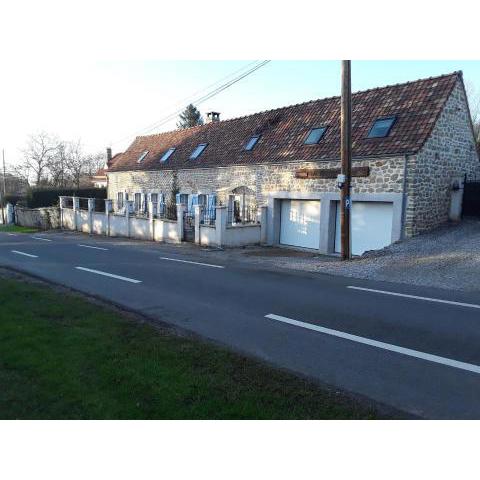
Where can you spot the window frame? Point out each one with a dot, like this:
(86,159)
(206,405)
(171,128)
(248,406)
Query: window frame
(393,119)
(142,157)
(193,156)
(252,137)
(309,144)
(167,154)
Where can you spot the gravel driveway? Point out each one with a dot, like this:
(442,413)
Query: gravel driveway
(448,257)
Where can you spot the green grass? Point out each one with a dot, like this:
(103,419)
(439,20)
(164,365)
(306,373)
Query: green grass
(17,228)
(64,357)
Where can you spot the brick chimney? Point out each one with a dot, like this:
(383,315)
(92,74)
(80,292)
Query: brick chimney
(109,157)
(213,117)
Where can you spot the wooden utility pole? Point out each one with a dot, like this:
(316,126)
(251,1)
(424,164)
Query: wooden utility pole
(346,158)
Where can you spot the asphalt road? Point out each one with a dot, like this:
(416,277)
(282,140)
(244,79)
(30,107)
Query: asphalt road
(375,339)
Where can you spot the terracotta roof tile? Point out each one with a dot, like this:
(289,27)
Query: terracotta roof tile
(416,106)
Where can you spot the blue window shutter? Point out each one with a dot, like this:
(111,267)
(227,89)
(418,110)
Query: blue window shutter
(211,203)
(177,198)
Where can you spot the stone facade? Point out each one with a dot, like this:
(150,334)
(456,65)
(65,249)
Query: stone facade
(448,154)
(386,175)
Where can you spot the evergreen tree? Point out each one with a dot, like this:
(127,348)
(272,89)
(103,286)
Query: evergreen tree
(190,117)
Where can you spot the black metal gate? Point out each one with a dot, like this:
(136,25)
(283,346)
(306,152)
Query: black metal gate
(471,199)
(189,226)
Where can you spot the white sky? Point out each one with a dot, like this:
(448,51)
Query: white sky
(88,69)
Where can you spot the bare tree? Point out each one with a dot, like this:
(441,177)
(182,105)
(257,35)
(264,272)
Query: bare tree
(474,103)
(57,166)
(75,162)
(37,156)
(93,162)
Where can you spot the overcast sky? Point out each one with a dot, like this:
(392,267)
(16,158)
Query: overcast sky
(108,103)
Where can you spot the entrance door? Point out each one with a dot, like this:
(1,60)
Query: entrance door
(300,223)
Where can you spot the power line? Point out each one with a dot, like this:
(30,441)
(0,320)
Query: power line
(203,98)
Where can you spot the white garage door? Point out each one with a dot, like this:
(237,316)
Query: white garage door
(300,223)
(371,226)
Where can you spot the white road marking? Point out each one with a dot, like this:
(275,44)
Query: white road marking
(44,239)
(23,253)
(437,300)
(194,263)
(90,246)
(111,275)
(12,234)
(374,343)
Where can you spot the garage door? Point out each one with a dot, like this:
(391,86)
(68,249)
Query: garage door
(371,226)
(300,223)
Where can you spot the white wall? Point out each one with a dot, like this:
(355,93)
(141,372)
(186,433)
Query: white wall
(166,231)
(240,235)
(208,235)
(99,223)
(118,226)
(140,228)
(82,221)
(68,218)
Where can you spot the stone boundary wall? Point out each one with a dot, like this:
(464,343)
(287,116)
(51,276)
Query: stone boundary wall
(43,218)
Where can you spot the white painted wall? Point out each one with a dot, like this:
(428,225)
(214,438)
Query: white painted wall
(166,231)
(82,221)
(140,228)
(241,235)
(208,235)
(118,226)
(99,223)
(68,218)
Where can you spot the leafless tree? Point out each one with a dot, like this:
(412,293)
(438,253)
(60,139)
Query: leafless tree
(57,166)
(75,162)
(37,156)
(474,102)
(93,162)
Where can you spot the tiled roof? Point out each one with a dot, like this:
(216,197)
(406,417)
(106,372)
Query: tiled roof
(416,106)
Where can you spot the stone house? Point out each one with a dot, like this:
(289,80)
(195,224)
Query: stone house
(412,144)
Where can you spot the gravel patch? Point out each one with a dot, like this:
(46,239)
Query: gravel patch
(448,257)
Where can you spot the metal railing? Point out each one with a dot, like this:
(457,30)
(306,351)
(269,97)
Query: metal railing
(208,216)
(248,214)
(167,211)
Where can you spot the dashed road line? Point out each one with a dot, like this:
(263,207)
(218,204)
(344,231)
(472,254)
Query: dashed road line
(90,246)
(111,275)
(24,253)
(44,239)
(193,263)
(416,297)
(469,367)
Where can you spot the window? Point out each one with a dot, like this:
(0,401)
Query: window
(138,201)
(167,155)
(315,135)
(120,200)
(252,142)
(381,127)
(142,156)
(198,151)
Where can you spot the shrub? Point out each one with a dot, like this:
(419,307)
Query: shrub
(48,197)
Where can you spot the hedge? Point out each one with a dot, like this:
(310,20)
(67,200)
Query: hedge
(49,197)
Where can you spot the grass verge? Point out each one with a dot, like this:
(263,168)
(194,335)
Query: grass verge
(62,356)
(17,229)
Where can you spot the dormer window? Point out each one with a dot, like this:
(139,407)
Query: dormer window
(315,135)
(252,142)
(142,156)
(381,127)
(167,155)
(198,151)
